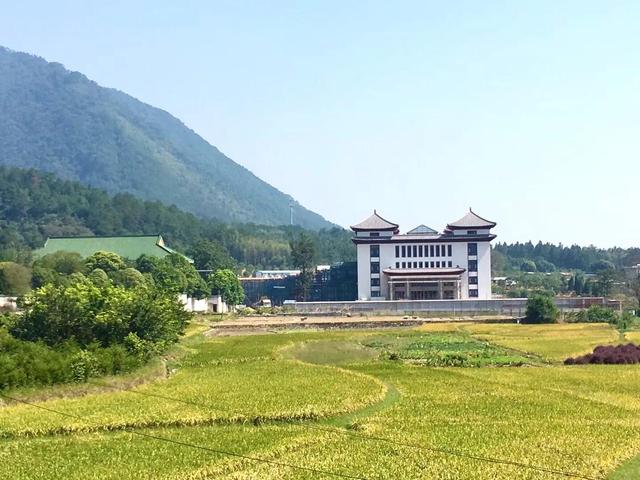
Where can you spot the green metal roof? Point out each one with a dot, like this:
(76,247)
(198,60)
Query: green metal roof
(128,246)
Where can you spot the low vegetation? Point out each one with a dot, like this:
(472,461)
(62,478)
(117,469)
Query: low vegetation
(609,354)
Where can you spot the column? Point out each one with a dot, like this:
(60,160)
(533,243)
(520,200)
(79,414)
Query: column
(407,292)
(440,290)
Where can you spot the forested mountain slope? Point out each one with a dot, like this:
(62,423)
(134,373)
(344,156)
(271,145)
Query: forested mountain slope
(35,205)
(59,121)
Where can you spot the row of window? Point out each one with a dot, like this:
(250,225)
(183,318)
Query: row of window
(438,264)
(416,251)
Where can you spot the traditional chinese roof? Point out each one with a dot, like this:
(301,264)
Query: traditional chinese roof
(127,246)
(375,222)
(422,230)
(471,220)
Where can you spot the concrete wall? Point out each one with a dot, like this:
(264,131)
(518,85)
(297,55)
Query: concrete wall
(510,306)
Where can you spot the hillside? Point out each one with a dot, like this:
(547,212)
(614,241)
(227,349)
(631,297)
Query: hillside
(60,121)
(36,205)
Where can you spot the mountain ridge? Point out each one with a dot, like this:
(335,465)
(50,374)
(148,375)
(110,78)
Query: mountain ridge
(60,121)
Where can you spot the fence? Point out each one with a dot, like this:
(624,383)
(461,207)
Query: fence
(504,306)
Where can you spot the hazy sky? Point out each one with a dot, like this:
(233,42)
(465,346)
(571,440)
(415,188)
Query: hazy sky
(527,111)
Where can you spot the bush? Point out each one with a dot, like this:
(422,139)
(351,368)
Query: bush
(541,309)
(87,314)
(610,355)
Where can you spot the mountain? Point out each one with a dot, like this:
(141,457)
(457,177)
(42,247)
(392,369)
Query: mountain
(60,121)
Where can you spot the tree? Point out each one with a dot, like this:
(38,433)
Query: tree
(107,261)
(226,284)
(61,262)
(208,255)
(541,309)
(528,266)
(605,281)
(195,285)
(15,279)
(601,266)
(303,256)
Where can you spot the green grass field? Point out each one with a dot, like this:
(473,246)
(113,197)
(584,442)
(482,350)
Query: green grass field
(445,401)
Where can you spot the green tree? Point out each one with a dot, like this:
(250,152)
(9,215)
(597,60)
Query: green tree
(226,284)
(99,278)
(605,281)
(209,255)
(541,309)
(303,254)
(528,266)
(602,266)
(107,261)
(195,285)
(15,279)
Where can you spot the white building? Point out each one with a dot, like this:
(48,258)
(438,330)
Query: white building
(423,264)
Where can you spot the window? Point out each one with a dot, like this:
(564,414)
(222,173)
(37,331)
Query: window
(374,250)
(473,265)
(472,248)
(431,250)
(437,250)
(450,264)
(437,264)
(415,250)
(415,264)
(473,293)
(420,264)
(374,234)
(397,251)
(473,280)
(404,251)
(420,251)
(472,232)
(375,282)
(375,293)
(375,267)
(404,264)
(409,251)
(432,264)
(449,251)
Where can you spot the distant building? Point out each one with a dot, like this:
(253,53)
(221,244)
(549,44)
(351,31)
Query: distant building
(423,264)
(276,273)
(127,246)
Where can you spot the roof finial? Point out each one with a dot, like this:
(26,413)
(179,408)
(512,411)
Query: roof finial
(375,212)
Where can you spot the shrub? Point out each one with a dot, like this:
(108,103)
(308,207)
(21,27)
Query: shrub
(610,355)
(541,309)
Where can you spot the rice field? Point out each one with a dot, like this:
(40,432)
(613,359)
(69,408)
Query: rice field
(310,405)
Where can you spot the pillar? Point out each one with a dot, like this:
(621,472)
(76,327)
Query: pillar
(440,290)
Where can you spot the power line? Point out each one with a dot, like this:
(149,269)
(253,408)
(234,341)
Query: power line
(445,451)
(196,446)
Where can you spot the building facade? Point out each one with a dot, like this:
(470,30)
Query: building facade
(424,264)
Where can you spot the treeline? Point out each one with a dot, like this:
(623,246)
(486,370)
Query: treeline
(36,205)
(547,257)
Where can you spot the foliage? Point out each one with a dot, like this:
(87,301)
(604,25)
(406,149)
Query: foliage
(208,255)
(37,205)
(303,255)
(225,283)
(609,354)
(541,309)
(528,266)
(87,313)
(597,314)
(108,262)
(15,279)
(25,363)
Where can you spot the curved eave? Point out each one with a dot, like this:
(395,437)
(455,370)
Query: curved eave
(428,239)
(471,227)
(355,228)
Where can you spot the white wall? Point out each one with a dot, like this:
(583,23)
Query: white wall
(484,270)
(364,272)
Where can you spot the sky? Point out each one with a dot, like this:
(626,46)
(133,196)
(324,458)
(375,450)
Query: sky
(529,112)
